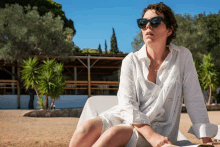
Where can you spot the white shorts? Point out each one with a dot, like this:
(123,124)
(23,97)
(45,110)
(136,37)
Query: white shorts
(136,140)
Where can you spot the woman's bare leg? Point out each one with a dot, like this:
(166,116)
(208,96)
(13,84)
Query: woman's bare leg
(87,133)
(116,136)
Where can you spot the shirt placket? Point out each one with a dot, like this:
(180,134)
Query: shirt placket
(162,70)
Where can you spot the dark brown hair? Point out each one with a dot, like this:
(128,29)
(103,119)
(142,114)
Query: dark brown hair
(168,15)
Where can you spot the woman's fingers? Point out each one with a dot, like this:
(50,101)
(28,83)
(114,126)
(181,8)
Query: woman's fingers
(169,142)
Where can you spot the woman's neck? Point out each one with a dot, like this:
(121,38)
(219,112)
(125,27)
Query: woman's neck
(157,53)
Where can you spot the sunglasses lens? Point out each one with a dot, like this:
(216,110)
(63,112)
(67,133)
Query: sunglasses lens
(142,23)
(155,22)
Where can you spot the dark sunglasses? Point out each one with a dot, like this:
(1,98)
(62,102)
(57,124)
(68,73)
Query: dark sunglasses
(154,22)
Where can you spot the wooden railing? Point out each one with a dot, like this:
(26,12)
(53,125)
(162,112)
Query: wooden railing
(8,84)
(96,86)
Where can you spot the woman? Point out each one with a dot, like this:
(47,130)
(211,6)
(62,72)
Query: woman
(153,82)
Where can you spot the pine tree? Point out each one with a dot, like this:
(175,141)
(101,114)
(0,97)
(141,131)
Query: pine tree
(105,47)
(99,49)
(114,46)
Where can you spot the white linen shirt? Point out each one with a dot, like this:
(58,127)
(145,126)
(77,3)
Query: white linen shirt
(159,105)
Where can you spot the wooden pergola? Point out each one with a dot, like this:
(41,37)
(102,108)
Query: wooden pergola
(84,71)
(105,63)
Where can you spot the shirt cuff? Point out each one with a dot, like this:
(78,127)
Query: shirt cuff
(135,116)
(201,130)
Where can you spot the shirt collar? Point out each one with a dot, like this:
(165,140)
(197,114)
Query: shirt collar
(143,54)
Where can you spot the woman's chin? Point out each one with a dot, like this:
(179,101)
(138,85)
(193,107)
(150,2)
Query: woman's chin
(149,41)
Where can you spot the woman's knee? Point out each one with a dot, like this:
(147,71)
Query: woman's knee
(92,125)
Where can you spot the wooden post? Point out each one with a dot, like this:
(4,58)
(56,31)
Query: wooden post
(119,72)
(75,78)
(13,78)
(89,80)
(18,89)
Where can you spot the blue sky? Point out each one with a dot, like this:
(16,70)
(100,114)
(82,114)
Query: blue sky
(94,19)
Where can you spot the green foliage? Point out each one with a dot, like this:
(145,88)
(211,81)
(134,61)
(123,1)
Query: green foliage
(41,102)
(105,47)
(30,73)
(31,34)
(99,49)
(138,41)
(114,45)
(52,81)
(76,49)
(208,75)
(46,79)
(191,35)
(90,50)
(44,6)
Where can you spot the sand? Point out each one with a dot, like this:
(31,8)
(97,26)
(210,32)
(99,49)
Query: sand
(19,131)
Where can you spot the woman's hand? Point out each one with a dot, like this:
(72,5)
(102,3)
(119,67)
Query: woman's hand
(158,140)
(155,139)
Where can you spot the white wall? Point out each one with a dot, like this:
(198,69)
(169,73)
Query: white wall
(65,101)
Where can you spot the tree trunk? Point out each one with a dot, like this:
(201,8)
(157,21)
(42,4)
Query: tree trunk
(46,101)
(18,96)
(52,103)
(31,101)
(18,87)
(210,94)
(35,88)
(216,102)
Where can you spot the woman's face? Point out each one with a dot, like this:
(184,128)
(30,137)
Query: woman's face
(156,35)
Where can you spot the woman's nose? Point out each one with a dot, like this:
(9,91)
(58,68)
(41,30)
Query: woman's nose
(147,25)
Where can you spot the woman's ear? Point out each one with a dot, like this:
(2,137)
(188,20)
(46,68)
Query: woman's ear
(170,31)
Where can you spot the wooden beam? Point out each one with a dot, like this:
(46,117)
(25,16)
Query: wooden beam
(18,90)
(75,88)
(106,88)
(9,81)
(76,81)
(70,71)
(104,85)
(8,87)
(105,82)
(96,73)
(96,57)
(75,77)
(82,63)
(93,66)
(94,63)
(89,76)
(75,84)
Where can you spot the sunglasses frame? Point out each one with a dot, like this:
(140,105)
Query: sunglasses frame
(150,20)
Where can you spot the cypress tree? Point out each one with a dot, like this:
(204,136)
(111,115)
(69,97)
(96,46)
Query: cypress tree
(99,49)
(105,47)
(114,46)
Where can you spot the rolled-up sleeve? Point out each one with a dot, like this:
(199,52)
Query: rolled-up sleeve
(194,102)
(127,96)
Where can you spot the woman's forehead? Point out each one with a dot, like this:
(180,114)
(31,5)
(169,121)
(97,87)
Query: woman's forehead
(152,13)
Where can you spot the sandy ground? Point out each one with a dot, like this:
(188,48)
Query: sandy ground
(18,131)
